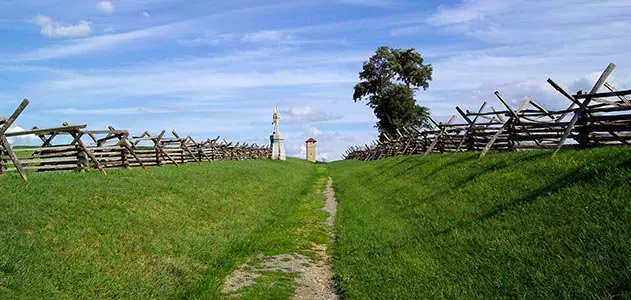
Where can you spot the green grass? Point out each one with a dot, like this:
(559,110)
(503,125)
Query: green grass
(511,225)
(163,232)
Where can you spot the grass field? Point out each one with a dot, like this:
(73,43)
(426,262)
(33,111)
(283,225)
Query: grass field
(511,225)
(160,233)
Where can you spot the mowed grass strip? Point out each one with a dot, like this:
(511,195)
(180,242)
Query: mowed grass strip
(164,232)
(510,225)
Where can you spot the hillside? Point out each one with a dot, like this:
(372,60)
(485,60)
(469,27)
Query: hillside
(159,233)
(511,225)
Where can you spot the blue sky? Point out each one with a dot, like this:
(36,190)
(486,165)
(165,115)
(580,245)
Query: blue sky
(209,68)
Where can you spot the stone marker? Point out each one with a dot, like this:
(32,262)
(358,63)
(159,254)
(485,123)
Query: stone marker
(278,148)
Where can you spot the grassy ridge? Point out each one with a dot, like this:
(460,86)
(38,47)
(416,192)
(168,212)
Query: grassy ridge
(511,225)
(163,233)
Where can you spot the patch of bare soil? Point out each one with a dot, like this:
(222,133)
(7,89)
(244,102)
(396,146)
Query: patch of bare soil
(246,274)
(315,280)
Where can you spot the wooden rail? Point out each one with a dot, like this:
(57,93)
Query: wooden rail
(593,119)
(109,148)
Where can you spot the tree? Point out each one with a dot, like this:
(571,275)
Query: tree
(389,80)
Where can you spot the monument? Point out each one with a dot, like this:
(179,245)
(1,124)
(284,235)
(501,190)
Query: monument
(278,149)
(311,149)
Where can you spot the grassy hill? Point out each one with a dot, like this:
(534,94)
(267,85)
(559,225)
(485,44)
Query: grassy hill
(511,225)
(161,233)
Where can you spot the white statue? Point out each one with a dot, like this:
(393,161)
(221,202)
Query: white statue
(276,119)
(276,140)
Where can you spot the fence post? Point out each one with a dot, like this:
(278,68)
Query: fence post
(583,132)
(82,161)
(471,140)
(511,137)
(2,161)
(124,159)
(158,157)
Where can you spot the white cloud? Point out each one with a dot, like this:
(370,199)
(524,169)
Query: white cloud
(287,37)
(376,3)
(24,140)
(560,46)
(208,39)
(105,6)
(146,14)
(97,43)
(114,111)
(307,114)
(454,15)
(145,81)
(300,111)
(302,153)
(408,30)
(267,36)
(315,132)
(322,156)
(51,28)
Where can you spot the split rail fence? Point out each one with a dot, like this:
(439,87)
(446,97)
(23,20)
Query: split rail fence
(83,149)
(593,119)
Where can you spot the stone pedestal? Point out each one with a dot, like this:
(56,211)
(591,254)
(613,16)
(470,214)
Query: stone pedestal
(278,148)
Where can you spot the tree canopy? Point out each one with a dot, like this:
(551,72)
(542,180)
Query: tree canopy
(389,80)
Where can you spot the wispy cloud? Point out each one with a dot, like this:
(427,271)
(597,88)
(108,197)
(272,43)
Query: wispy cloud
(315,132)
(560,43)
(285,37)
(308,114)
(209,38)
(97,43)
(267,36)
(112,111)
(51,28)
(465,12)
(141,83)
(376,3)
(408,30)
(105,6)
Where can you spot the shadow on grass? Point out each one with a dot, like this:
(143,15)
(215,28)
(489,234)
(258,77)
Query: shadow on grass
(577,177)
(462,160)
(475,175)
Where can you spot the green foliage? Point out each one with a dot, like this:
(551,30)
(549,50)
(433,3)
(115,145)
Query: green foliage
(157,233)
(509,226)
(388,81)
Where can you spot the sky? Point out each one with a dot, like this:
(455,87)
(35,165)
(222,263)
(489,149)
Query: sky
(217,68)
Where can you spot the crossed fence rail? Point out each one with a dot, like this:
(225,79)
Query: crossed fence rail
(592,119)
(110,148)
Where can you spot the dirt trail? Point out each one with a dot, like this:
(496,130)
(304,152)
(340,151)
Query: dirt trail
(315,277)
(316,282)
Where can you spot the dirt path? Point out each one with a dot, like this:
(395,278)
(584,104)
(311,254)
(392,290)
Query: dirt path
(316,282)
(314,276)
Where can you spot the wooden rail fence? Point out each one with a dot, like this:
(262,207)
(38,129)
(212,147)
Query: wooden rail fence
(594,119)
(110,148)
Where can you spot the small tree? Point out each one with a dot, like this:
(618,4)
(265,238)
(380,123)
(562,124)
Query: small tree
(389,80)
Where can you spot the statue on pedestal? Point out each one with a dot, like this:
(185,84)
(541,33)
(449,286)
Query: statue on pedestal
(278,148)
(276,119)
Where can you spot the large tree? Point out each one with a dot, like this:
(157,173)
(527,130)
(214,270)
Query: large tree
(389,80)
